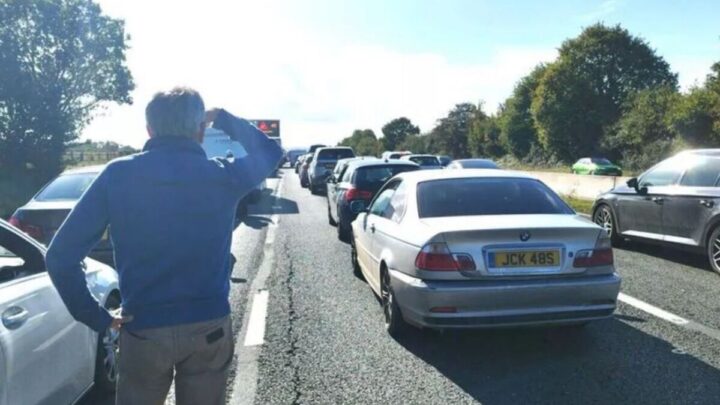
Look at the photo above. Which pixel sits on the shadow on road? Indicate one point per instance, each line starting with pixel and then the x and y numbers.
pixel 607 362
pixel 281 206
pixel 675 255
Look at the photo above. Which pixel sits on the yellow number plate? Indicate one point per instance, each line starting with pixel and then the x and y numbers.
pixel 538 258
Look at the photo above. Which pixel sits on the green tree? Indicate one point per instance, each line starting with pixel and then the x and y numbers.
pixel 415 144
pixel 581 95
pixel 59 61
pixel 363 141
pixel 645 133
pixel 517 126
pixel 485 137
pixel 697 116
pixel 396 131
pixel 450 136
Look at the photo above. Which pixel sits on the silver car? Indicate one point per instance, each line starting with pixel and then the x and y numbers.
pixel 46 357
pixel 426 162
pixel 481 248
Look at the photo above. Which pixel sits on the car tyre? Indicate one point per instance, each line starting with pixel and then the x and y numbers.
pixel 713 249
pixel 357 271
pixel 331 221
pixel 342 232
pixel 604 217
pixel 395 325
pixel 108 353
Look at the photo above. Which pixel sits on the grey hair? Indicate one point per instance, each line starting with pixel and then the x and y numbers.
pixel 178 112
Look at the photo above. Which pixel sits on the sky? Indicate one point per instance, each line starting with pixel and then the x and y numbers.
pixel 327 67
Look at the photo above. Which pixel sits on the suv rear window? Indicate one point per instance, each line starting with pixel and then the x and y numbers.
pixel 67 187
pixel 371 178
pixel 487 196
pixel 425 160
pixel 335 154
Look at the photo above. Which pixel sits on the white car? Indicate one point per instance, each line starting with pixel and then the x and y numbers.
pixel 46 357
pixel 480 249
pixel 218 144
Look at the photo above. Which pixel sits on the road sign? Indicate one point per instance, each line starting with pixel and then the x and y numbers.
pixel 268 127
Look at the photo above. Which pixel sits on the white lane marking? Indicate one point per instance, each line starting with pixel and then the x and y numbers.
pixel 255 334
pixel 246 375
pixel 652 310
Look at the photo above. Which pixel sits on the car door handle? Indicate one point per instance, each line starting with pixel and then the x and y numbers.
pixel 372 228
pixel 658 200
pixel 14 317
pixel 707 203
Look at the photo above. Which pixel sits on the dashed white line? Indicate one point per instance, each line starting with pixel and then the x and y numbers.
pixel 652 310
pixel 255 334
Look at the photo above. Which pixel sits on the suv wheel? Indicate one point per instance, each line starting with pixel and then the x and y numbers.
pixel 604 217
pixel 713 249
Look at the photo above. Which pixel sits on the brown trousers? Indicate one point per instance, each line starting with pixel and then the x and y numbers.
pixel 197 356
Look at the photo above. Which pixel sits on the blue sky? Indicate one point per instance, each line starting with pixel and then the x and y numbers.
pixel 327 67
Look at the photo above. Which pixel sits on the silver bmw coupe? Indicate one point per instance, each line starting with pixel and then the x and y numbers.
pixel 481 248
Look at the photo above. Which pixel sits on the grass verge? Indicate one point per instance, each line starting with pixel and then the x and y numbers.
pixel 580 205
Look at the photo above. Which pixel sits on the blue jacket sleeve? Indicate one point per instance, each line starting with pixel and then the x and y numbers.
pixel 82 229
pixel 263 154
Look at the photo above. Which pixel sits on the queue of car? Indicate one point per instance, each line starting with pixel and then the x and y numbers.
pixel 465 247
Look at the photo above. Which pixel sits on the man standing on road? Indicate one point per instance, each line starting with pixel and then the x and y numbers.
pixel 170 210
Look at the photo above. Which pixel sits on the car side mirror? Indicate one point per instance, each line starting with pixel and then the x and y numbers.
pixel 633 183
pixel 358 206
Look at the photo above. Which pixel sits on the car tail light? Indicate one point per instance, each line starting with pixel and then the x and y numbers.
pixel 437 257
pixel 602 255
pixel 355 194
pixel 33 231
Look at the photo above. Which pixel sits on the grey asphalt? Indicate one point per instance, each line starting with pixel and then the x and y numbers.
pixel 325 341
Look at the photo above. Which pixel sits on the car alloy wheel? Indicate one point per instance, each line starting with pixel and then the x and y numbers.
pixel 394 323
pixel 111 347
pixel 604 217
pixel 108 353
pixel 714 249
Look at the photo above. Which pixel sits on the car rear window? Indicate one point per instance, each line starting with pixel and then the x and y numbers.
pixel 335 154
pixel 67 187
pixel 479 164
pixel 373 177
pixel 425 160
pixel 487 196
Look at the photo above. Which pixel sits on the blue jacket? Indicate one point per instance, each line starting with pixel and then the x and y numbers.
pixel 171 211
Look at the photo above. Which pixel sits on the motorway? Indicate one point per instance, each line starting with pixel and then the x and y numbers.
pixel 320 338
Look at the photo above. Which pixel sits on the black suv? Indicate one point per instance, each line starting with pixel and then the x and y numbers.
pixel 359 179
pixel 676 202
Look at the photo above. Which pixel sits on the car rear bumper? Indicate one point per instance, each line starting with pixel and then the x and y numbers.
pixel 503 303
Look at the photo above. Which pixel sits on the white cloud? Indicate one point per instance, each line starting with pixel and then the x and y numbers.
pixel 320 89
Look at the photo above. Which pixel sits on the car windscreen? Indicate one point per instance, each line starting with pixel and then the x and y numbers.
pixel 66 187
pixel 335 154
pixel 371 178
pixel 601 161
pixel 487 196
pixel 479 164
pixel 425 160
